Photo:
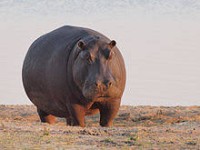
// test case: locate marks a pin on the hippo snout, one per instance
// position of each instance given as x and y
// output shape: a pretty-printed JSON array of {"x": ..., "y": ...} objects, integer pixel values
[
  {"x": 100, "y": 88},
  {"x": 105, "y": 83}
]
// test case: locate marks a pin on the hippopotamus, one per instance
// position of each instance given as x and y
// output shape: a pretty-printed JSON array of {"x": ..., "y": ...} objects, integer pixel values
[{"x": 72, "y": 72}]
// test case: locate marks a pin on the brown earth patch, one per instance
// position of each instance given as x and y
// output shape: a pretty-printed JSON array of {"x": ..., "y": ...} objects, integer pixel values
[{"x": 141, "y": 127}]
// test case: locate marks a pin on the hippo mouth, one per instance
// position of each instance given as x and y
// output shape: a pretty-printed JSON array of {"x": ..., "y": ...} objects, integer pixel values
[
  {"x": 100, "y": 98},
  {"x": 97, "y": 97},
  {"x": 103, "y": 96}
]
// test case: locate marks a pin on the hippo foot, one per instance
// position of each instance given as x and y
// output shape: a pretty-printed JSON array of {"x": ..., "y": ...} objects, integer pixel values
[
  {"x": 73, "y": 122},
  {"x": 46, "y": 118},
  {"x": 106, "y": 124},
  {"x": 108, "y": 111}
]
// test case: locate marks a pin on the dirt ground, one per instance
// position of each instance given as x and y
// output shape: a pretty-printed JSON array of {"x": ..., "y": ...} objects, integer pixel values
[{"x": 141, "y": 127}]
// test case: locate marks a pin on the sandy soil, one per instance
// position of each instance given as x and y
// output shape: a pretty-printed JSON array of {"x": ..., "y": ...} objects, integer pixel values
[{"x": 141, "y": 127}]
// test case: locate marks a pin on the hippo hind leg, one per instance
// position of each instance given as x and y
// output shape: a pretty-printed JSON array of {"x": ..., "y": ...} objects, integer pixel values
[{"x": 44, "y": 117}]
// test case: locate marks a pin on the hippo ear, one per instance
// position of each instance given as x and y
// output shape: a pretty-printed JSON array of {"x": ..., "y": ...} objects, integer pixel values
[
  {"x": 81, "y": 45},
  {"x": 112, "y": 44}
]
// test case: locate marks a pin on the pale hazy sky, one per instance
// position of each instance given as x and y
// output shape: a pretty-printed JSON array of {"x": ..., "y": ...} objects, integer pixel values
[{"x": 160, "y": 42}]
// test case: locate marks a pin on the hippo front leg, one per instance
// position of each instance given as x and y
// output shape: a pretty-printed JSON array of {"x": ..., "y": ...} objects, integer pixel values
[
  {"x": 77, "y": 117},
  {"x": 108, "y": 111},
  {"x": 45, "y": 117}
]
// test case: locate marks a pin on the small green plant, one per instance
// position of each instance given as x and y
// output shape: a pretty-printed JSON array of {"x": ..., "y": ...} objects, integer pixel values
[
  {"x": 108, "y": 140},
  {"x": 133, "y": 137},
  {"x": 2, "y": 125},
  {"x": 46, "y": 131}
]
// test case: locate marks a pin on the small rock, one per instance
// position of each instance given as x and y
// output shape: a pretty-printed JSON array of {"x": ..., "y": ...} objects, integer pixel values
[{"x": 191, "y": 143}]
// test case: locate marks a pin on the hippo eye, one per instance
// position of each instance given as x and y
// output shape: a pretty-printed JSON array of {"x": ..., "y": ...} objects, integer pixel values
[
  {"x": 108, "y": 54},
  {"x": 88, "y": 58}
]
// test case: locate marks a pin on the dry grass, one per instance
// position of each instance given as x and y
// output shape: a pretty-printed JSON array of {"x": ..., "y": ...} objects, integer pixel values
[{"x": 142, "y": 127}]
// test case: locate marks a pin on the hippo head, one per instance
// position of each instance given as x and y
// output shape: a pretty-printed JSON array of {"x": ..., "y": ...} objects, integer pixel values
[{"x": 97, "y": 69}]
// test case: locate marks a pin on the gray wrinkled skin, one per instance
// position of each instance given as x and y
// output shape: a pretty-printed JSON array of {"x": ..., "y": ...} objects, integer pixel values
[{"x": 72, "y": 72}]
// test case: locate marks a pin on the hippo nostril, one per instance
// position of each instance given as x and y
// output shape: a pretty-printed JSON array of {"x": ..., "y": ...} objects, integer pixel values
[
  {"x": 108, "y": 83},
  {"x": 97, "y": 84}
]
